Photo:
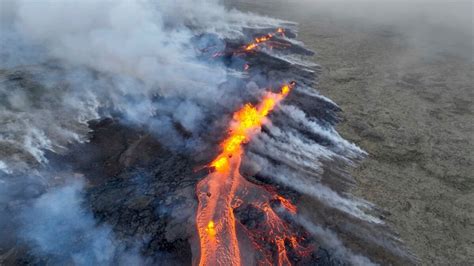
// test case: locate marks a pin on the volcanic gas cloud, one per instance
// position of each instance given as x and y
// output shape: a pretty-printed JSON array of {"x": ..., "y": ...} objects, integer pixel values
[{"x": 124, "y": 99}]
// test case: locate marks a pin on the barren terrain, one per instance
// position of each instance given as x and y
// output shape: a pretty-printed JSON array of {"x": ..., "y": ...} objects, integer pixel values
[{"x": 405, "y": 87}]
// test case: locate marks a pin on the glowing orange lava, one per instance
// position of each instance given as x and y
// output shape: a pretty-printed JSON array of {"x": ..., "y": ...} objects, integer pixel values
[
  {"x": 265, "y": 38},
  {"x": 268, "y": 40},
  {"x": 222, "y": 237}
]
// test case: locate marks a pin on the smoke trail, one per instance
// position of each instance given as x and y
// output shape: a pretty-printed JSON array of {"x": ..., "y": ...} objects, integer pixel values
[
  {"x": 139, "y": 61},
  {"x": 330, "y": 240},
  {"x": 144, "y": 63},
  {"x": 342, "y": 146},
  {"x": 305, "y": 185},
  {"x": 111, "y": 56}
]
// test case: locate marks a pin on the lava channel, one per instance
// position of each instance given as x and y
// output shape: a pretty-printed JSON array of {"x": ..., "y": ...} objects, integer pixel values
[{"x": 224, "y": 240}]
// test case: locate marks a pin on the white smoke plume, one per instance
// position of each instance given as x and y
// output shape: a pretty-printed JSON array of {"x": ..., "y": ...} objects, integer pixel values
[
  {"x": 64, "y": 63},
  {"x": 342, "y": 145},
  {"x": 57, "y": 225},
  {"x": 107, "y": 56},
  {"x": 308, "y": 185},
  {"x": 300, "y": 160},
  {"x": 330, "y": 240}
]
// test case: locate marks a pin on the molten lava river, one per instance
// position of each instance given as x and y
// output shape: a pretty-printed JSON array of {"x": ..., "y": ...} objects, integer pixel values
[{"x": 224, "y": 240}]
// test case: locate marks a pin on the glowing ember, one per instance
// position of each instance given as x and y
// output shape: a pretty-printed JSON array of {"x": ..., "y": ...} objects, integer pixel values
[
  {"x": 265, "y": 38},
  {"x": 268, "y": 40},
  {"x": 224, "y": 190},
  {"x": 211, "y": 231},
  {"x": 287, "y": 204},
  {"x": 250, "y": 47}
]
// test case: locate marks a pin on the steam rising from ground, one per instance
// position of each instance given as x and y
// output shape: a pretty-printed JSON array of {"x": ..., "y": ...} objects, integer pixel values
[
  {"x": 330, "y": 239},
  {"x": 110, "y": 56},
  {"x": 57, "y": 225},
  {"x": 64, "y": 63}
]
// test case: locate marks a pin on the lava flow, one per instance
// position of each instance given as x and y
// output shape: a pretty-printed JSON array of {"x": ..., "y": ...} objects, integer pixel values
[
  {"x": 223, "y": 192},
  {"x": 265, "y": 38},
  {"x": 256, "y": 43}
]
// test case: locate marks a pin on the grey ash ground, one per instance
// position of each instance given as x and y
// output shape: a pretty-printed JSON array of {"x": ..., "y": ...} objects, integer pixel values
[{"x": 405, "y": 85}]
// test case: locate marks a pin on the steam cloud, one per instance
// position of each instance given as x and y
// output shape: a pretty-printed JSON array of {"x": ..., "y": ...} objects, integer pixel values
[
  {"x": 57, "y": 225},
  {"x": 113, "y": 56},
  {"x": 330, "y": 239},
  {"x": 64, "y": 63},
  {"x": 140, "y": 61}
]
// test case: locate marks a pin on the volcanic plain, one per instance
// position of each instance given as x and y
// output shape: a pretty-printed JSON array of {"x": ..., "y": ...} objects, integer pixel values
[{"x": 402, "y": 73}]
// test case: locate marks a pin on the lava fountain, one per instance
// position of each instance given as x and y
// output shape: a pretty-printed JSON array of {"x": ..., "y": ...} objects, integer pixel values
[{"x": 224, "y": 190}]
